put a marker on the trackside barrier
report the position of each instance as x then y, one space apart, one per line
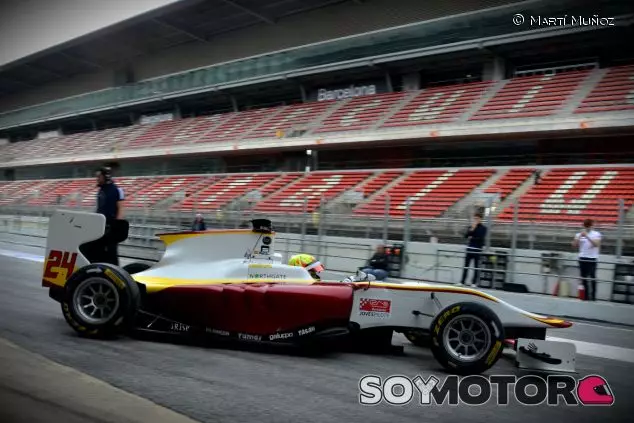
428 261
334 218
559 274
537 303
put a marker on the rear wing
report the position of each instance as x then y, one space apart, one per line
67 231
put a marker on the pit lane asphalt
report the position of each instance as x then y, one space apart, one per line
231 385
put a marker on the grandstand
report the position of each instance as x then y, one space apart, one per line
389 132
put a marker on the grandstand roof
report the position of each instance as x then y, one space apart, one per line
178 23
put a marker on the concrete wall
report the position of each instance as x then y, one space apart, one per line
340 20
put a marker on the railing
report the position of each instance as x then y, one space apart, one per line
548 274
618 238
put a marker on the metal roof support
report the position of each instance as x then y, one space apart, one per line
178 28
43 69
250 11
80 60
388 82
15 81
302 91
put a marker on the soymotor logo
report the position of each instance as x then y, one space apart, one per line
478 390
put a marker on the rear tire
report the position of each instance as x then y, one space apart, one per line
133 268
101 300
467 338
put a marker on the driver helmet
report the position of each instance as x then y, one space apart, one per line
309 263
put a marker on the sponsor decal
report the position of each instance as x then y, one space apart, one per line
260 266
306 331
277 336
249 337
180 327
266 276
493 353
114 278
266 240
217 332
371 307
264 249
59 266
444 317
343 93
553 390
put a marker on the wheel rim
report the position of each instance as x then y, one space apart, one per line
96 300
466 338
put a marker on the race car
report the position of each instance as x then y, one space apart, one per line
233 285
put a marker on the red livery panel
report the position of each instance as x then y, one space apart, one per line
255 308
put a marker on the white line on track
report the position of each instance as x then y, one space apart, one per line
23 256
599 350
596 325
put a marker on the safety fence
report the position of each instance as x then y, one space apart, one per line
335 218
537 272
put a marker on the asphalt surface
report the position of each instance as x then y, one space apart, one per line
236 385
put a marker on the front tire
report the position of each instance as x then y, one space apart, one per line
101 300
418 338
467 338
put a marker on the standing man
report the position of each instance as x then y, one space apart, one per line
588 242
476 235
109 203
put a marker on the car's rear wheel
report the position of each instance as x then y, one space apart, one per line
133 268
101 300
467 338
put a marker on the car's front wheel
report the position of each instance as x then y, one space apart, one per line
419 338
467 338
100 300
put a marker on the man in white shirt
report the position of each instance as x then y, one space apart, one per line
588 241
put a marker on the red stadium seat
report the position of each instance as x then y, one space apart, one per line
360 113
570 195
431 193
509 182
615 92
563 195
438 105
216 196
297 116
309 190
234 126
531 96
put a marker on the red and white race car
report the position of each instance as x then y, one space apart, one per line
232 285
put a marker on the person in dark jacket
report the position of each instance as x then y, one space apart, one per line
199 224
109 204
476 235
378 264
